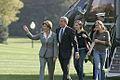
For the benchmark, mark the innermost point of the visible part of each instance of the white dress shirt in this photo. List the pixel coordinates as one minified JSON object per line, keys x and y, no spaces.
{"x":62,"y":33}
{"x":45,"y":35}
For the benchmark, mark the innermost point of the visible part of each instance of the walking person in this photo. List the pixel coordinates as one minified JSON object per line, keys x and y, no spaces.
{"x":66,"y":40}
{"x":101,"y":17}
{"x":102,"y":40}
{"x":48,"y":51}
{"x":83,"y":40}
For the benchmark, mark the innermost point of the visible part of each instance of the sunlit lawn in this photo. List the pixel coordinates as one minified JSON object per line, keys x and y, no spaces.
{"x":19,"y":61}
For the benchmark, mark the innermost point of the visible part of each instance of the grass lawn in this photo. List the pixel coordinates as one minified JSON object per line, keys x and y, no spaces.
{"x":18,"y":61}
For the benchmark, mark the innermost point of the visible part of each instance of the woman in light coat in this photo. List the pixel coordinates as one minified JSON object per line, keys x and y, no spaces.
{"x":49,"y":50}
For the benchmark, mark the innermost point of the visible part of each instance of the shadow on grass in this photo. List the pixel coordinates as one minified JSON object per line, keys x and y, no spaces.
{"x":36,"y":77}
{"x":23,"y":42}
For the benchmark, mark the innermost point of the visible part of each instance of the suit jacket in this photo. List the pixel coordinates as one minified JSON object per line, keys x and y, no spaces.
{"x":49,"y":48}
{"x":68,"y":41}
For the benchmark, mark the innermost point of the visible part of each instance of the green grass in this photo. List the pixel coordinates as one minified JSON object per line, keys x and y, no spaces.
{"x":18,"y":61}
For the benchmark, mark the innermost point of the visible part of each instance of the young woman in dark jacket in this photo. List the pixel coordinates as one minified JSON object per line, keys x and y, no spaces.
{"x":82,"y":39}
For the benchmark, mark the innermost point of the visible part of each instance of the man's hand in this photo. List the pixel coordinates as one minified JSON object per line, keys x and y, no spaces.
{"x":25,"y":28}
{"x":77,"y":56}
{"x":54,"y":59}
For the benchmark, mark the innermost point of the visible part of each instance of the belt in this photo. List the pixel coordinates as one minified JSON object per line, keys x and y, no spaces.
{"x":81,"y":48}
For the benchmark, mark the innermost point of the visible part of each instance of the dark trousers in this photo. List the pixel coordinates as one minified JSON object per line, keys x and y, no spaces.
{"x":65,"y":64}
{"x":93,"y":69}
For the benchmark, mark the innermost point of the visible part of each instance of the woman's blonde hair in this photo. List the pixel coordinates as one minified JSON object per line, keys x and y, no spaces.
{"x":48,"y":23}
{"x":102,"y":25}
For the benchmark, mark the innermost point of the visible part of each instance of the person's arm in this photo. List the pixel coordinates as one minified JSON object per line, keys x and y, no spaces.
{"x":92,"y":44}
{"x":55,"y":48}
{"x":30,"y":35}
{"x":85,"y":35}
{"x":74,"y":40}
{"x":106,"y":42}
{"x":75,"y":44}
{"x":33,"y":37}
{"x":91,"y":48}
{"x":100,"y":41}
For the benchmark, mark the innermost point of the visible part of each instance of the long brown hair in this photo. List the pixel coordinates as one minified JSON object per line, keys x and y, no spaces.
{"x":80,"y":23}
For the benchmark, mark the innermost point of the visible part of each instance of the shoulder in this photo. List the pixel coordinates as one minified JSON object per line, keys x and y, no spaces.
{"x":106,"y":32}
{"x":40,"y":34}
{"x":84,"y":32}
{"x":57,"y":29}
{"x":70,"y":29}
{"x":54,"y":34}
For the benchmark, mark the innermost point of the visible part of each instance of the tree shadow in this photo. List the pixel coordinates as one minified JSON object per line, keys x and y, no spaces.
{"x":35,"y":77}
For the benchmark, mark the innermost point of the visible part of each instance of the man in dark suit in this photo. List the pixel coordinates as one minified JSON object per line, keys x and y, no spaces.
{"x":66,"y":39}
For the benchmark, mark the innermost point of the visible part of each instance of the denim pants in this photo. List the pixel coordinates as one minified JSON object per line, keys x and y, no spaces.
{"x":78,"y":64}
{"x":99,"y":59}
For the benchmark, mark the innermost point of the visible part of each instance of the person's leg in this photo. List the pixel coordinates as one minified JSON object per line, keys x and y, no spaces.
{"x":80,"y":63}
{"x":93,"y":69}
{"x":51,"y":68}
{"x":97,"y":65}
{"x":90,"y":58}
{"x":65,"y":68}
{"x":92,"y":61}
{"x":42,"y":67}
{"x":76,"y":62}
{"x":102,"y":59}
{"x":62,"y":66}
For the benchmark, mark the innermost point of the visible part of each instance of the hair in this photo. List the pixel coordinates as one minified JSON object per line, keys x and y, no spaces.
{"x":102,"y":25}
{"x":65,"y":19}
{"x":79,"y":22}
{"x":48,"y":23}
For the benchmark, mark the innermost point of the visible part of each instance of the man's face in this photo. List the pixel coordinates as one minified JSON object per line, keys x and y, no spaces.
{"x":62,"y":22}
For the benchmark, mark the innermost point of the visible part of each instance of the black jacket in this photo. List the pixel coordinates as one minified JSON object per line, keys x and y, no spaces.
{"x":68,"y":41}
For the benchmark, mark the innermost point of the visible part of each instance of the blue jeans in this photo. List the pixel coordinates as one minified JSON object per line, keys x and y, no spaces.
{"x":78,"y":64}
{"x":99,"y":59}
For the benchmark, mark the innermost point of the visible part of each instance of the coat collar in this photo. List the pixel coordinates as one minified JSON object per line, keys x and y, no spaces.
{"x":45,"y":36}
